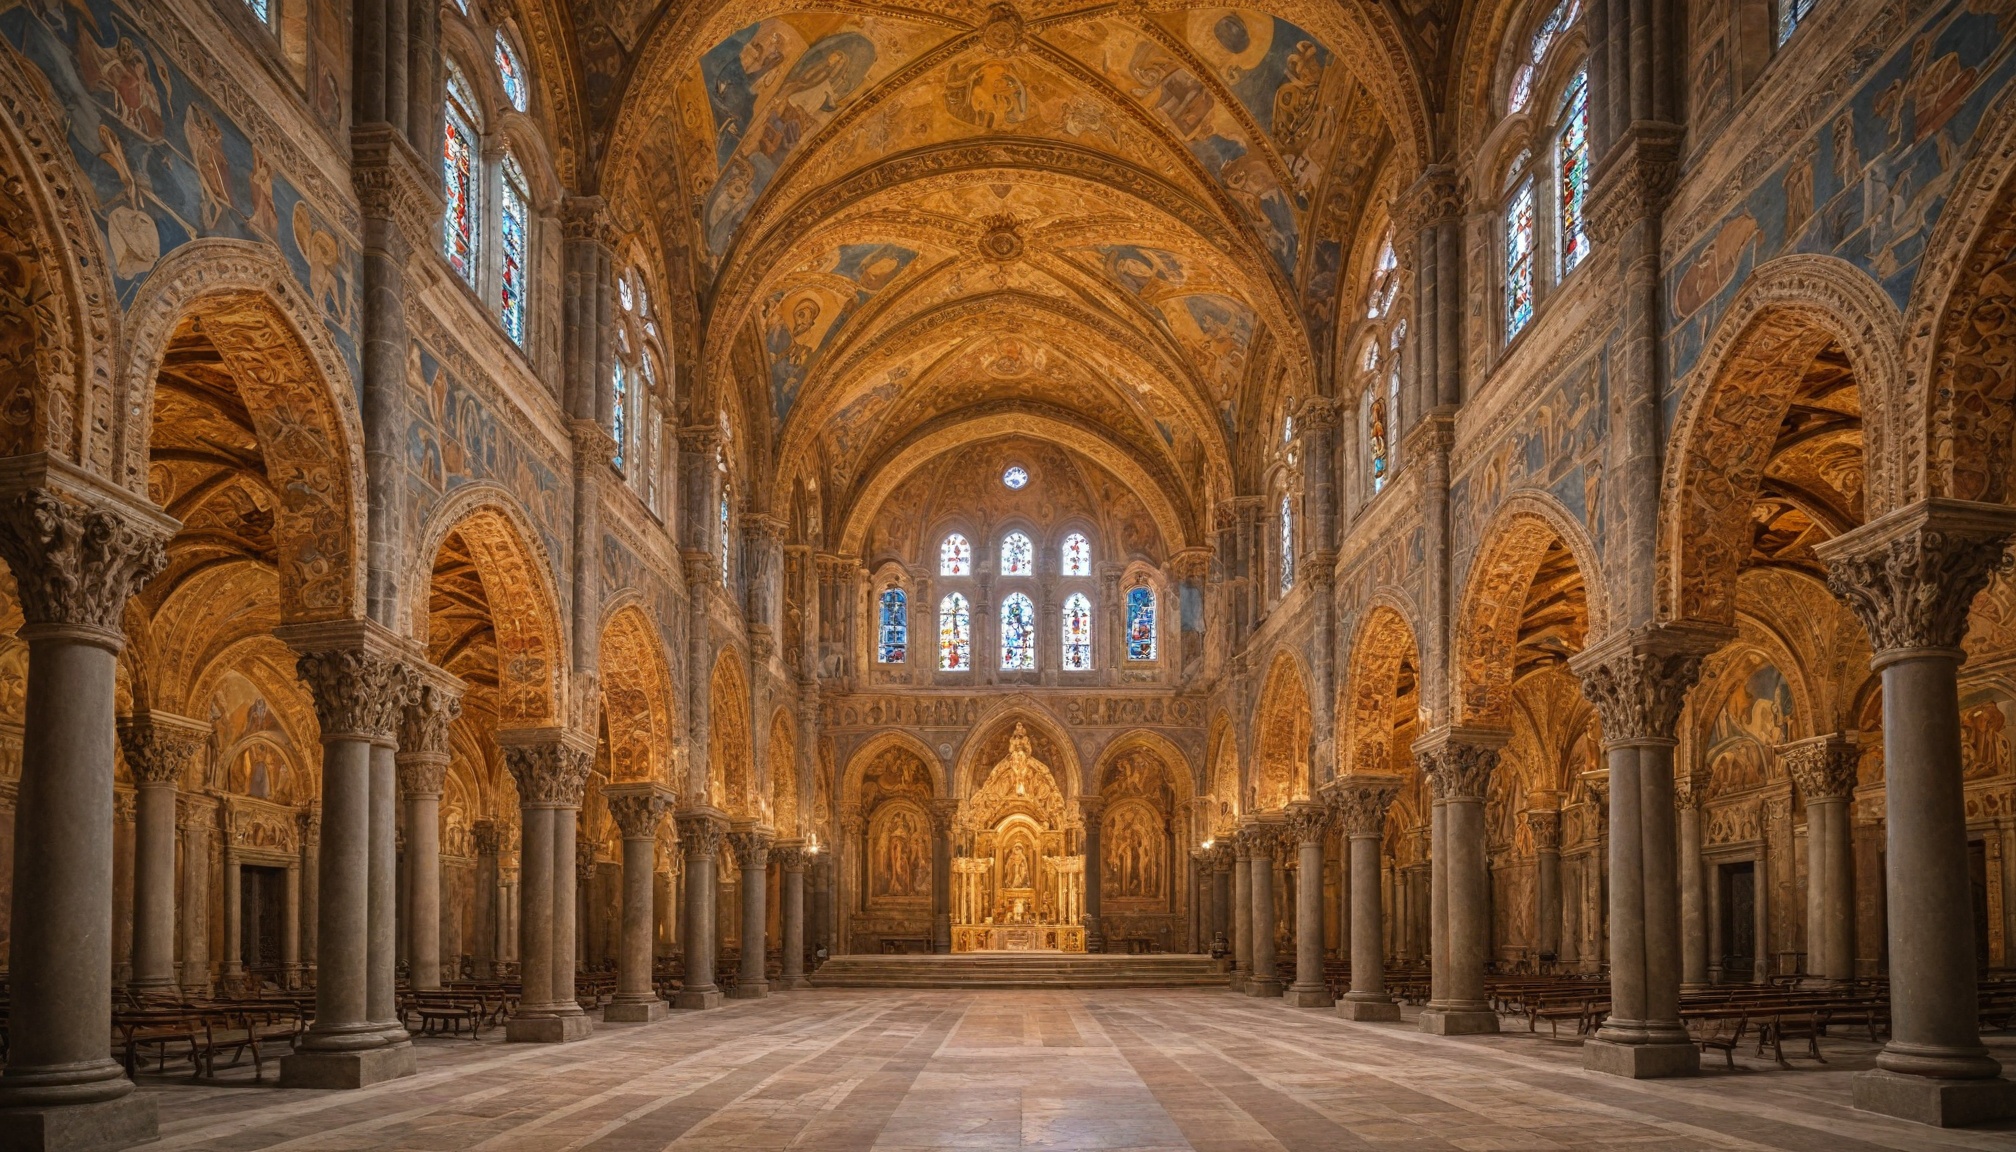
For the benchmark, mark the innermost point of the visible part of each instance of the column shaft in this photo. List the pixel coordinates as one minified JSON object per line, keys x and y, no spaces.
{"x":423,"y":896}
{"x":234,"y":918}
{"x":1242,"y":919}
{"x":1264,"y":979}
{"x":1693,"y":900}
{"x":382,"y":911}
{"x":1309,"y":990}
{"x":1367,"y":999}
{"x":154,"y":885}
{"x":793,"y":924}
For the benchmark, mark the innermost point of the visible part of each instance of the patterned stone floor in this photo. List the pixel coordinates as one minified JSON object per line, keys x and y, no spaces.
{"x":1139,"y":1070}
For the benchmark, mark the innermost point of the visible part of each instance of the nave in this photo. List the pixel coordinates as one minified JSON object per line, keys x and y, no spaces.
{"x":1134,"y":1070}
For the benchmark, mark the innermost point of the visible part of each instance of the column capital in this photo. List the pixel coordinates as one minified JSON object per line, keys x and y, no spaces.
{"x":431,"y":708}
{"x":1597,"y":781}
{"x":1459,"y":761}
{"x":395,"y":184}
{"x":1638,"y":679}
{"x":1823,"y":767}
{"x":791,"y":856}
{"x":195,"y":812}
{"x":592,"y":443}
{"x":1545,"y":825}
{"x":944,"y":813}
{"x":550,"y":766}
{"x":1635,"y":178}
{"x":1692,"y":789}
{"x":751,"y":845}
{"x":585,"y":220}
{"x":78,"y":546}
{"x":637,"y":808}
{"x":160,"y":746}
{"x":310,"y":823}
{"x":1911,"y":575}
{"x":486,"y":837}
{"x":1435,"y":196}
{"x":701,"y":831}
{"x":1308,"y":821}
{"x":1432,"y":436}
{"x":1191,"y":564}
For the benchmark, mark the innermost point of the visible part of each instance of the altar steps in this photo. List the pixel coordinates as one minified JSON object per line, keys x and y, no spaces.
{"x":1019,"y":970}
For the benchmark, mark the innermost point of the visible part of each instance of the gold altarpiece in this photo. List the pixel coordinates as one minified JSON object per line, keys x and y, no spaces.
{"x":1017,"y":886}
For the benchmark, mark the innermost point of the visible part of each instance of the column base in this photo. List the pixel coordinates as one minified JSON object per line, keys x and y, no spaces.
{"x":790,"y":983}
{"x":1458,"y":1021}
{"x":358,"y":1069}
{"x":1640,"y":1061}
{"x":1306,"y":996}
{"x":750,"y":990}
{"x":1263,"y":986}
{"x":98,"y":1127}
{"x":1384,"y":1008}
{"x":1940,"y":1103}
{"x":621,"y":1011}
{"x":1236,"y":981}
{"x":697,"y":998}
{"x":548,"y":1029}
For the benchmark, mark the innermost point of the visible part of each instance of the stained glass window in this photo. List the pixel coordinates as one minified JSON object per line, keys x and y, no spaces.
{"x":623,"y":293}
{"x":1077,"y":555}
{"x":510,"y":73}
{"x":1370,"y":360}
{"x":1018,"y":556}
{"x":1077,"y":631}
{"x":1522,"y":88}
{"x":619,"y":412}
{"x":1790,"y":13}
{"x":1018,"y":634}
{"x":955,"y":556}
{"x":1572,"y":162}
{"x":649,"y":364}
{"x":1287,"y":542}
{"x":1376,"y":435}
{"x":894,"y":647}
{"x":1141,"y":623}
{"x":458,"y":177}
{"x":511,"y":232}
{"x":727,"y":538}
{"x":1385,"y":280}
{"x":1519,"y":260}
{"x":955,"y":634}
{"x":1015,"y":477}
{"x":261,"y":9}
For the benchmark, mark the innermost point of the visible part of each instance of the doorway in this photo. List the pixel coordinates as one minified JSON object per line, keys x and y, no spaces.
{"x":1738,"y":889}
{"x":262,"y":898}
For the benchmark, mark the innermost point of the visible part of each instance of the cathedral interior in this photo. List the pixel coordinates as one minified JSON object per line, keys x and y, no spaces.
{"x":1044,"y":573}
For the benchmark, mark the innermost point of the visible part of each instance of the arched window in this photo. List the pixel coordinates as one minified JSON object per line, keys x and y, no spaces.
{"x":727,"y":539}
{"x":512,"y":221}
{"x":1377,"y":429}
{"x":1571,"y":166}
{"x":1519,"y":259}
{"x":955,"y":556}
{"x":894,"y":644}
{"x":1790,"y":13}
{"x":1018,"y":634}
{"x":1141,"y":623}
{"x":640,"y":405}
{"x":1077,"y":555}
{"x":458,"y":176}
{"x":1077,"y":632}
{"x":619,"y":415}
{"x":1558,"y":20}
{"x":1287,"y":543}
{"x":510,"y":74}
{"x":1385,"y":280}
{"x":955,"y":634}
{"x":1018,"y":556}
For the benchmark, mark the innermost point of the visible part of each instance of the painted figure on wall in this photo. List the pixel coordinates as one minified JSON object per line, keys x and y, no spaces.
{"x":1755,"y":717}
{"x":1984,"y":733}
{"x":901,"y":852}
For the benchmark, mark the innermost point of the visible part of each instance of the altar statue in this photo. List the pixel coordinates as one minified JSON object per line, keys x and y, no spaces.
{"x":1016,"y":874}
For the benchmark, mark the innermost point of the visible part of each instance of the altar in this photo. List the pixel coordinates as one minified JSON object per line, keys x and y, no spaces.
{"x":1018,"y":938}
{"x":1017,"y":887}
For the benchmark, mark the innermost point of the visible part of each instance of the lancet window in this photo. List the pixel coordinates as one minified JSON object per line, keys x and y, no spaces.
{"x":893,"y":632}
{"x":1018,"y":634}
{"x":1141,"y":623}
{"x":955,"y":634}
{"x":1077,"y":633}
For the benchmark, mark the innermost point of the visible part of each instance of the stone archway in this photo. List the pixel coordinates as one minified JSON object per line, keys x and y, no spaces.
{"x":731,"y":768}
{"x":1385,"y":663}
{"x":639,"y":708}
{"x":1533,"y":566}
{"x":1281,"y":739}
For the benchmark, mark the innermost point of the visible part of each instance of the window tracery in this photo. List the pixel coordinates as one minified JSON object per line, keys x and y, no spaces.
{"x":1571,"y":166}
{"x":955,"y":556}
{"x":641,"y":399}
{"x":1076,"y":629}
{"x":1140,"y":623}
{"x":1287,"y":543}
{"x":1519,"y":259}
{"x":1018,"y":555}
{"x":955,"y":634}
{"x":1077,"y":555}
{"x":893,"y":645}
{"x":513,"y":218}
{"x":510,"y":73}
{"x":1018,"y":634}
{"x":458,"y":174}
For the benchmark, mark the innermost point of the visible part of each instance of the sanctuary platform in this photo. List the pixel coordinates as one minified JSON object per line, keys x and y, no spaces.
{"x":1019,"y":970}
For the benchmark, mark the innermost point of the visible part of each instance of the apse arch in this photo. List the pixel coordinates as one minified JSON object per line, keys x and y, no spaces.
{"x":1734,"y":401}
{"x":883,"y":741}
{"x":297,"y":389}
{"x":1180,"y":770}
{"x":1001,"y":718}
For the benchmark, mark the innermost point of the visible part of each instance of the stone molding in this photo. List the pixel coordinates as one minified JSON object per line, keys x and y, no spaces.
{"x":1636,"y":178}
{"x":78,"y":548}
{"x":1912,"y":575}
{"x":550,"y":766}
{"x":1823,"y":767}
{"x":637,"y":808}
{"x":159,"y":747}
{"x":1638,"y":680}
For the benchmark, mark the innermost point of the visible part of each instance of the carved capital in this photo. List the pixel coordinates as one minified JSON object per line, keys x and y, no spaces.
{"x":594,"y":447}
{"x":395,"y":186}
{"x":585,"y":220}
{"x":1639,"y":680}
{"x":1458,"y":763}
{"x":1912,"y":575}
{"x":159,"y":748}
{"x":195,"y":814}
{"x":752,"y":847}
{"x":1191,"y":565}
{"x":1545,"y":825}
{"x":1308,"y":822}
{"x":1635,"y":179}
{"x":549,"y":766}
{"x":1436,"y":196}
{"x":637,"y":808}
{"x":944,"y":815}
{"x":486,"y":837}
{"x":700,"y":833}
{"x":310,"y":823}
{"x":1361,"y":800}
{"x":791,"y":857}
{"x":1823,"y":766}
{"x":430,"y":710}
{"x":78,"y":550}
{"x":358,"y":694}
{"x":1692,"y":790}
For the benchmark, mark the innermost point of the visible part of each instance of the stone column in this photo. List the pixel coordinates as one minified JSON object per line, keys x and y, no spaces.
{"x":1689,"y":794}
{"x":943,"y":813}
{"x":358,"y":687}
{"x":752,"y":852}
{"x":483,"y":948}
{"x":1242,"y":911}
{"x":792,"y":860}
{"x":1459,"y":762}
{"x":78,"y":550}
{"x":1093,"y":808}
{"x":423,"y":771}
{"x":381,"y":982}
{"x":1309,"y":824}
{"x":1911,"y":576}
{"x":233,"y":970}
{"x":700,"y":833}
{"x":1361,"y":802}
{"x":194,"y":817}
{"x":1545,"y":825}
{"x":550,"y":766}
{"x":1638,"y":681}
{"x":310,"y":824}
{"x":1264,"y":980}
{"x":1571,"y":915}
{"x":1824,"y":769}
{"x":1221,"y":898}
{"x":159,"y":749}
{"x":637,"y":810}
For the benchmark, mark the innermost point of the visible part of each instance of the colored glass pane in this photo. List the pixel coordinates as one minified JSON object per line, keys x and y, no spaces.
{"x":511,"y":232}
{"x":261,"y":9}
{"x":510,"y":73}
{"x":727,"y":538}
{"x":1016,"y":476}
{"x":1790,"y":13}
{"x":619,"y":412}
{"x":955,"y":556}
{"x":623,"y":295}
{"x":1018,"y":556}
{"x":1077,"y":630}
{"x":1519,"y":260}
{"x":955,"y":634}
{"x":1522,"y":88}
{"x":1077,"y":555}
{"x":458,"y":179}
{"x":650,"y":366}
{"x":1572,"y":162}
{"x":1287,"y":542}
{"x":1141,"y":623}
{"x":1370,"y":360}
{"x":1018,"y":634}
{"x":1376,"y":436}
{"x":894,"y":646}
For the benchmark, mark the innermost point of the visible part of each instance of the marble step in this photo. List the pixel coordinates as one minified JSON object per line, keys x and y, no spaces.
{"x":1018,"y":970}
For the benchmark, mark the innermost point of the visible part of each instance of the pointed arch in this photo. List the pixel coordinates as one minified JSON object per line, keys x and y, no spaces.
{"x":1281,"y":737}
{"x":1053,"y":742}
{"x":639,"y":700}
{"x":1527,"y":527}
{"x":1384,"y":644}
{"x":783,"y":774}
{"x":731,"y":767}
{"x":520,"y":597}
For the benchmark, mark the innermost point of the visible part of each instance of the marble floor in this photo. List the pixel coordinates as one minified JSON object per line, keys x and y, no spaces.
{"x":909,"y":1070}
